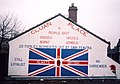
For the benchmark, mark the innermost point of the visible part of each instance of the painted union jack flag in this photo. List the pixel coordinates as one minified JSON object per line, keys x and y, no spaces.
{"x":58,"y":62}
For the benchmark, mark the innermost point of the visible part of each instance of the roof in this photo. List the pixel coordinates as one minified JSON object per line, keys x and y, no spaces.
{"x":66,"y":19}
{"x":118,"y":44}
{"x":112,"y":51}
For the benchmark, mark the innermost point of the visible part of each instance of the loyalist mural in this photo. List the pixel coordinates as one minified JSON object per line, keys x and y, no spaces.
{"x":60,"y":47}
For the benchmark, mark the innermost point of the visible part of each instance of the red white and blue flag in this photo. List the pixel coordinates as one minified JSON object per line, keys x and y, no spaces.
{"x":58,"y":62}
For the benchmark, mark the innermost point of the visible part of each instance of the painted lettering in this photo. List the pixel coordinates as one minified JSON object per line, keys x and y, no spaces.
{"x":65,"y":33}
{"x":83,"y":32}
{"x":18,"y":59}
{"x":97,"y":61}
{"x":44,"y":42}
{"x":38,"y":29}
{"x":98,"y":66}
{"x":45,"y":37}
{"x":72,"y":38}
{"x":72,"y":42}
{"x":54,"y":32}
{"x":17,"y":64}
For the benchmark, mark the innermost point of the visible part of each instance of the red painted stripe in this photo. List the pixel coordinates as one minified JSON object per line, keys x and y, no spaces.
{"x":58,"y":53}
{"x":57,"y":71}
{"x":32,"y":61}
{"x":74,"y":62}
{"x":52,"y":62}
{"x":41,"y":62}
{"x":41,"y":54}
{"x":75,"y":55}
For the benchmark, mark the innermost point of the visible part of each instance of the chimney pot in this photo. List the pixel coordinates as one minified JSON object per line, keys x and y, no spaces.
{"x":73,"y":12}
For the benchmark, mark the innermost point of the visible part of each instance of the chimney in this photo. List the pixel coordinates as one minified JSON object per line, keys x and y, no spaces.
{"x":73,"y":12}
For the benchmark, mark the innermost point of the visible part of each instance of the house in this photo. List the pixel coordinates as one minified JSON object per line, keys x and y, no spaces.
{"x":115,"y":52}
{"x":60,"y":48}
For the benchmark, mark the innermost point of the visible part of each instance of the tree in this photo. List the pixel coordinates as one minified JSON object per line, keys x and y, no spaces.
{"x":9,"y":27}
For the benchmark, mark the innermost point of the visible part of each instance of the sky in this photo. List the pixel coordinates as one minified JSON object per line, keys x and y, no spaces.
{"x":101,"y":17}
